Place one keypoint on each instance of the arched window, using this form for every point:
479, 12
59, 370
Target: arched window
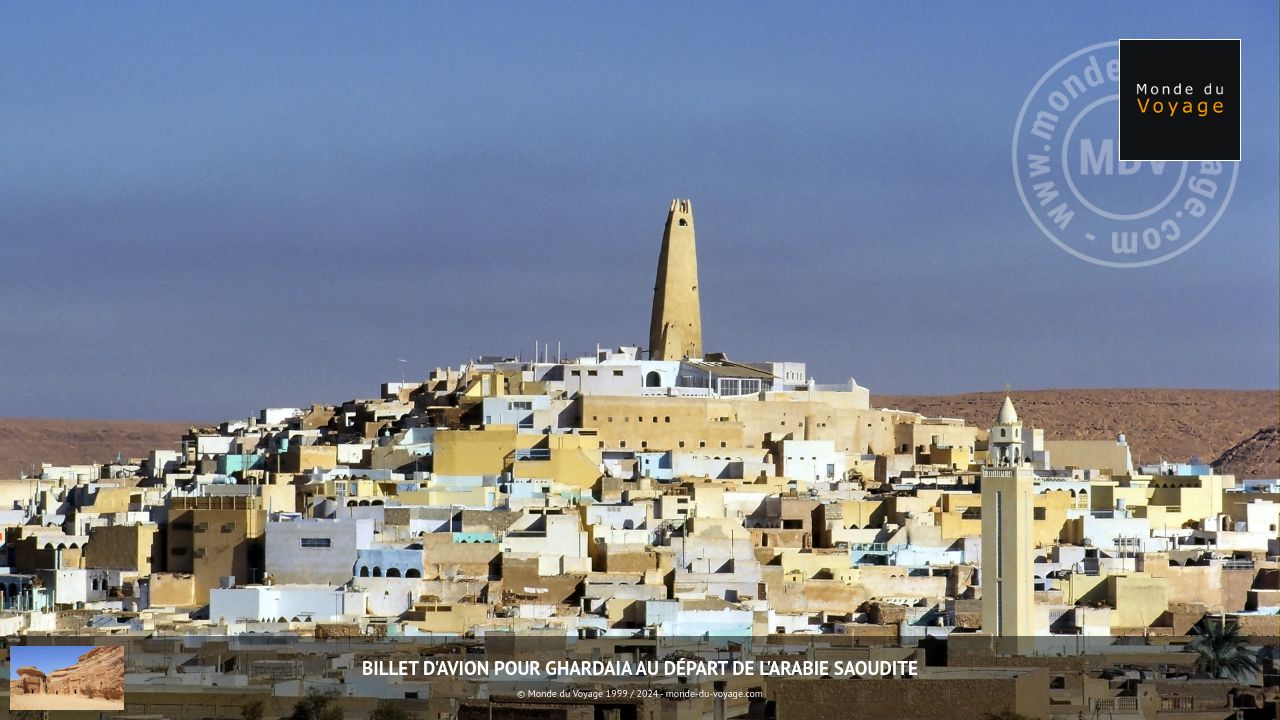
412, 573
393, 572
652, 379
364, 571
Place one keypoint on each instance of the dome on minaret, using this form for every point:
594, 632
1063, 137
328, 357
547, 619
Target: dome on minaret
1007, 416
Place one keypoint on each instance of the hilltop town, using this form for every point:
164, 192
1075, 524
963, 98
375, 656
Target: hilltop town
638, 492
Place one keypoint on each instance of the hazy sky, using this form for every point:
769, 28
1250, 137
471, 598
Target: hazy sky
209, 209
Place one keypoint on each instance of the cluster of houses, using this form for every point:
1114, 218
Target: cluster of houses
637, 493
612, 494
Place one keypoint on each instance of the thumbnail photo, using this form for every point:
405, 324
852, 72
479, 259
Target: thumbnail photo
66, 677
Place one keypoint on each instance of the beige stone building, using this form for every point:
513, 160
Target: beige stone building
216, 537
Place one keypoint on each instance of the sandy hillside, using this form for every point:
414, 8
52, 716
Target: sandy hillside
1256, 456
24, 441
1170, 424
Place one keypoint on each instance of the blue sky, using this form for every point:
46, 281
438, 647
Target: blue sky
207, 210
45, 658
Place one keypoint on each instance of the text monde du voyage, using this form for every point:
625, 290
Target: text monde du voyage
642, 668
1179, 99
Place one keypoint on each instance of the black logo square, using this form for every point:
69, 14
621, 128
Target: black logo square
1179, 100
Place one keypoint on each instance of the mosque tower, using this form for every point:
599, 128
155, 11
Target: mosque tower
1004, 442
1008, 545
675, 328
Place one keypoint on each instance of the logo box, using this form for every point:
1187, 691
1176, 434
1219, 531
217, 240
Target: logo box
1179, 100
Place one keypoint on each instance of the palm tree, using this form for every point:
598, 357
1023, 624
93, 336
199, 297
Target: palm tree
1222, 651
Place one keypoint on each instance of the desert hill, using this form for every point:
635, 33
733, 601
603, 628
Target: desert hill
1256, 456
1173, 425
28, 441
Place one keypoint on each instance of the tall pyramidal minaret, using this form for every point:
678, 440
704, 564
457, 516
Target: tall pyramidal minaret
675, 330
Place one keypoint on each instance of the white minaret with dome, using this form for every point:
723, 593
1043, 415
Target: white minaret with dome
1008, 547
1004, 443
